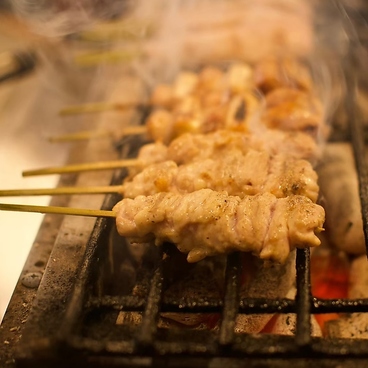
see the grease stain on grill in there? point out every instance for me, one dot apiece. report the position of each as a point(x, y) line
point(40, 264)
point(32, 279)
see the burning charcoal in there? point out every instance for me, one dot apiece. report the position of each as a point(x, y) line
point(129, 318)
point(354, 325)
point(263, 280)
point(339, 194)
point(195, 285)
point(329, 279)
point(197, 321)
point(285, 324)
point(359, 278)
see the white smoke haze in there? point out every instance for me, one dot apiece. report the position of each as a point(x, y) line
point(193, 33)
point(56, 18)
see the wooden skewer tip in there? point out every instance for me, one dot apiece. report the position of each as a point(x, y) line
point(62, 191)
point(92, 166)
point(56, 210)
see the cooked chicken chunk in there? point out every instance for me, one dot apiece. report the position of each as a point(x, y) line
point(236, 173)
point(206, 223)
point(203, 114)
point(237, 79)
point(201, 103)
point(166, 95)
point(272, 73)
point(295, 110)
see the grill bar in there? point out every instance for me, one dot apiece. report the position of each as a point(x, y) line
point(247, 306)
point(231, 300)
point(303, 297)
point(340, 305)
point(148, 328)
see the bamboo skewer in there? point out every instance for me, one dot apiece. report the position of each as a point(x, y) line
point(91, 166)
point(111, 57)
point(57, 210)
point(118, 30)
point(61, 191)
point(91, 134)
point(98, 107)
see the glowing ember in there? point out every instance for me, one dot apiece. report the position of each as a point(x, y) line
point(329, 278)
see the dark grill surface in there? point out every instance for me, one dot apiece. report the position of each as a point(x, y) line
point(81, 330)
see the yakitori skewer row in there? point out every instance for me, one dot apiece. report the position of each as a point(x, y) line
point(211, 172)
point(276, 93)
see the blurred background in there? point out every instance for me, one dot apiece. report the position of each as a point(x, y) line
point(23, 117)
point(40, 75)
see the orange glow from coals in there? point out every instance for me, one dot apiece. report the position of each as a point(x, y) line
point(329, 280)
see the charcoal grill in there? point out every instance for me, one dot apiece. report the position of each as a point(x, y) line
point(69, 319)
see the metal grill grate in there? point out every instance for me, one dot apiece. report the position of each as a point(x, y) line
point(89, 332)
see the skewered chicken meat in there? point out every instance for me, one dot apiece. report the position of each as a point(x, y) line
point(213, 99)
point(188, 147)
point(292, 109)
point(193, 147)
point(273, 73)
point(236, 173)
point(204, 102)
point(237, 79)
point(166, 95)
point(206, 223)
point(203, 114)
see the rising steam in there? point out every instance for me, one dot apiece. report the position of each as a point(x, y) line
point(57, 18)
point(193, 33)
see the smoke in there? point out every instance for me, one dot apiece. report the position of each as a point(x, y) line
point(58, 18)
point(192, 33)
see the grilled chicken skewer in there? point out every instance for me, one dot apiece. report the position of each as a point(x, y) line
point(285, 109)
point(206, 223)
point(236, 173)
point(190, 147)
point(267, 76)
point(237, 79)
point(190, 115)
point(212, 100)
point(91, 134)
